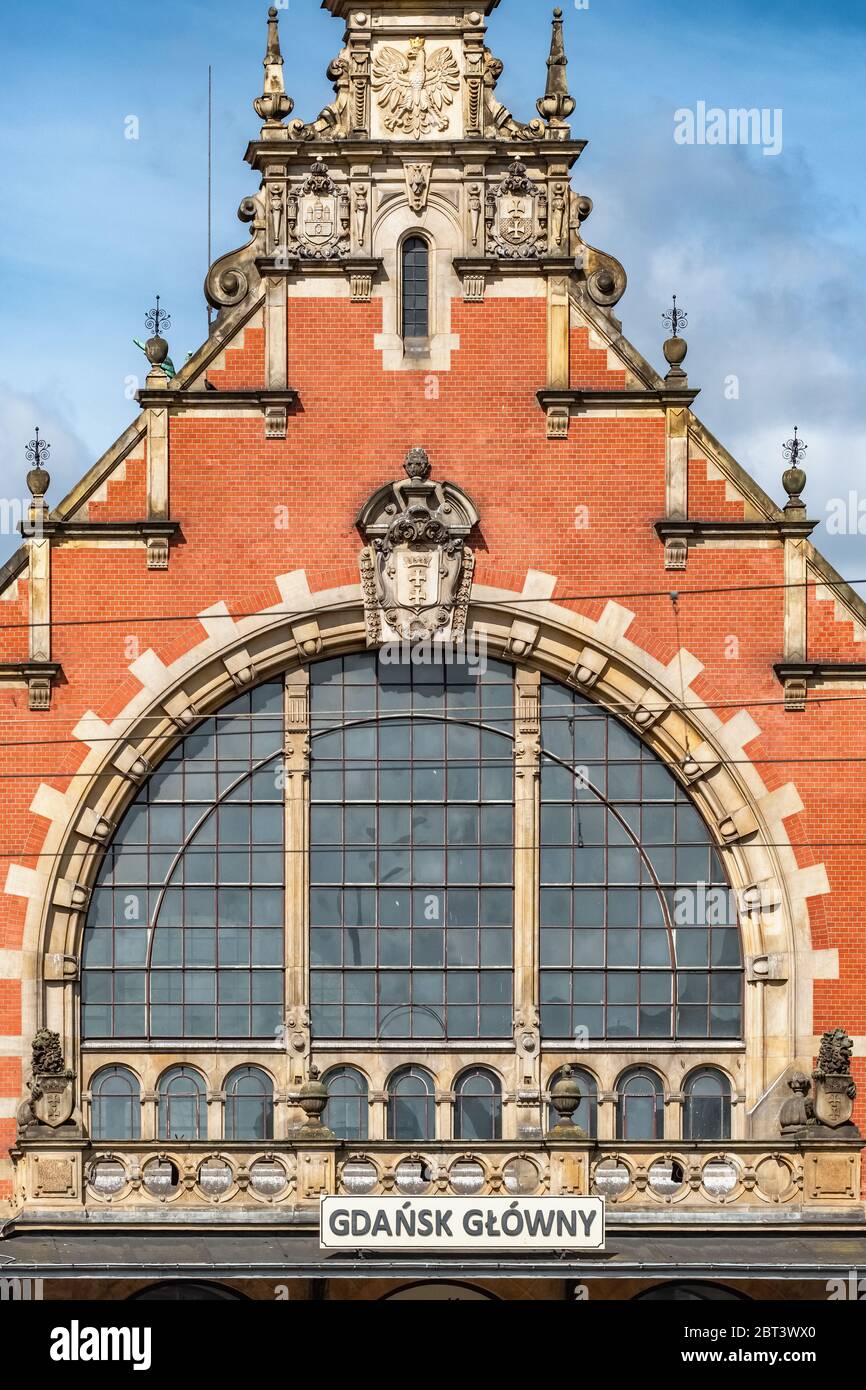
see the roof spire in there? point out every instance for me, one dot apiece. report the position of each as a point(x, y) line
point(557, 104)
point(274, 105)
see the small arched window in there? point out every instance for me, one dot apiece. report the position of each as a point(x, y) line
point(586, 1114)
point(708, 1105)
point(115, 1111)
point(249, 1105)
point(411, 1105)
point(416, 287)
point(182, 1105)
point(347, 1114)
point(640, 1106)
point(478, 1107)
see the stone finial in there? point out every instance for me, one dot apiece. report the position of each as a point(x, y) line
point(313, 1099)
point(273, 105)
point(38, 479)
point(676, 348)
point(794, 477)
point(557, 104)
point(417, 464)
point(565, 1097)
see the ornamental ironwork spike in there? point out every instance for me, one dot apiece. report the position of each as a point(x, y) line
point(794, 449)
point(557, 104)
point(37, 451)
point(156, 321)
point(675, 319)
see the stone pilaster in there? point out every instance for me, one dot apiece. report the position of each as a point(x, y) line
point(676, 483)
point(158, 500)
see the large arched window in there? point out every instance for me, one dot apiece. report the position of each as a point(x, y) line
point(185, 933)
point(640, 1111)
point(249, 1112)
point(411, 863)
point(348, 1112)
point(478, 1106)
point(115, 1107)
point(182, 1104)
point(415, 287)
point(411, 1105)
point(586, 1114)
point(707, 1112)
point(639, 935)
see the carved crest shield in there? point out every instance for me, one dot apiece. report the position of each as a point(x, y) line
point(416, 569)
point(834, 1101)
point(53, 1099)
point(517, 215)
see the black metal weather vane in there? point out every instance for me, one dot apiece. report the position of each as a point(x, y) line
point(37, 451)
point(675, 319)
point(157, 320)
point(794, 449)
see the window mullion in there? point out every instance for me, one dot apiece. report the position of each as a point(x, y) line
point(527, 761)
point(297, 912)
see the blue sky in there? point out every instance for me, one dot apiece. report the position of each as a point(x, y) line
point(767, 254)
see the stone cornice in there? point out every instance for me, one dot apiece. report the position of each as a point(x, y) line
point(496, 265)
point(366, 150)
point(649, 398)
point(217, 400)
point(732, 529)
point(821, 672)
point(78, 529)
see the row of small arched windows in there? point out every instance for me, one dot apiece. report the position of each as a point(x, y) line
point(249, 1105)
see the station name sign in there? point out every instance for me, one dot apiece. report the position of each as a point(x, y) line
point(462, 1223)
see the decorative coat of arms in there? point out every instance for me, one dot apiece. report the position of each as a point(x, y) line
point(835, 1090)
point(517, 216)
point(416, 571)
point(416, 88)
point(52, 1097)
point(320, 218)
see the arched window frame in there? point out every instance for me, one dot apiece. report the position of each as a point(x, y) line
point(238, 1101)
point(715, 1126)
point(103, 1103)
point(472, 1076)
point(420, 340)
point(357, 1101)
point(626, 1094)
point(181, 1085)
point(414, 1084)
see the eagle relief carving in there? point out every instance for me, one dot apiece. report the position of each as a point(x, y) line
point(416, 570)
point(416, 88)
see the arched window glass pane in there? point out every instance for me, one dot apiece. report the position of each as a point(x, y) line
point(708, 1106)
point(416, 288)
point(182, 1105)
point(640, 1108)
point(478, 1107)
point(348, 1104)
point(249, 1105)
point(411, 865)
point(639, 928)
point(184, 937)
point(586, 1114)
point(411, 1106)
point(115, 1111)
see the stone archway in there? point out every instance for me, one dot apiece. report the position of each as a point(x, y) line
point(593, 656)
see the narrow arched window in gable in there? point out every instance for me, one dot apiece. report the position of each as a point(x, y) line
point(415, 287)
